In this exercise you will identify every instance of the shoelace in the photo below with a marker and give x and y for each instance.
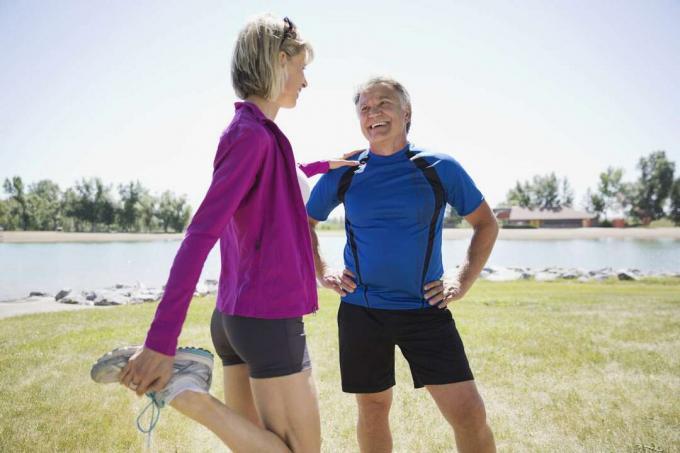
(155, 412)
(153, 421)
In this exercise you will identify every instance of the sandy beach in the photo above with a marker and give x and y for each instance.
(18, 237)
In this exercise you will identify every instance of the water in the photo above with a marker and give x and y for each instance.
(81, 266)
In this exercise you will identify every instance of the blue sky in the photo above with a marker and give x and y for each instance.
(131, 90)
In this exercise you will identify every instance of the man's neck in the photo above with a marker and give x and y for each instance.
(388, 147)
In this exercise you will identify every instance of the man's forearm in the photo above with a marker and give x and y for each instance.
(319, 264)
(478, 253)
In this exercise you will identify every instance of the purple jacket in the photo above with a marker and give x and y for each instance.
(254, 207)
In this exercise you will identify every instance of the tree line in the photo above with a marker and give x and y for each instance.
(90, 205)
(653, 195)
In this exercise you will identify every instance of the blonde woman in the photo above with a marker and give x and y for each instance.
(267, 283)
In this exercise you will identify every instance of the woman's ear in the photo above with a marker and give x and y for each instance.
(283, 58)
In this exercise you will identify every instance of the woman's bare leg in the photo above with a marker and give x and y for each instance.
(236, 431)
(289, 407)
(238, 395)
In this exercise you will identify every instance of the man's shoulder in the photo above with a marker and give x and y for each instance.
(440, 161)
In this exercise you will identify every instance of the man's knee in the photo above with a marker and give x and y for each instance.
(374, 405)
(461, 404)
(468, 414)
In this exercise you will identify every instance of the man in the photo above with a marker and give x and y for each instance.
(392, 288)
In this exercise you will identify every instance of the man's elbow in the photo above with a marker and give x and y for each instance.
(488, 225)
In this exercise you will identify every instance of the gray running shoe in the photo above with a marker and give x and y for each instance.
(192, 370)
(107, 369)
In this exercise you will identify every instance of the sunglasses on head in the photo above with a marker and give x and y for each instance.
(288, 30)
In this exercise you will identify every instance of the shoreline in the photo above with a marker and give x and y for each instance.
(42, 237)
(551, 234)
(32, 305)
(129, 295)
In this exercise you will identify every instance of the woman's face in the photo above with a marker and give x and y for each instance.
(295, 67)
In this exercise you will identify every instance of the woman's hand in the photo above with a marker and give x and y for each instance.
(147, 371)
(343, 161)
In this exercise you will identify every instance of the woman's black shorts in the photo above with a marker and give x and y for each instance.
(270, 347)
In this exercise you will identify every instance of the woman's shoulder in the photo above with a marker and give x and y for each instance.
(252, 131)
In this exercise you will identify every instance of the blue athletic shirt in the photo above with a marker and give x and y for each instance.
(394, 210)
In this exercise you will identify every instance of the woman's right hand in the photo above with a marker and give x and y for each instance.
(147, 371)
(343, 161)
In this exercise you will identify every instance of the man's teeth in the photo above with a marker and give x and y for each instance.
(378, 124)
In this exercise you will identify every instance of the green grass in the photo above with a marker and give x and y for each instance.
(562, 366)
(662, 223)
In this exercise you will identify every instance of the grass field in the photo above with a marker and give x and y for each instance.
(563, 367)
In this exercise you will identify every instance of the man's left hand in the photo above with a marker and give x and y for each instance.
(443, 292)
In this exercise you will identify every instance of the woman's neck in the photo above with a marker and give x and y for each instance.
(268, 108)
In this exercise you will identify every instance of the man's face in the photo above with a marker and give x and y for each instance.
(382, 116)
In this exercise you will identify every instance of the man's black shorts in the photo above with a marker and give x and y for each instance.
(428, 338)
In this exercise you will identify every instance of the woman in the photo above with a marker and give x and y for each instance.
(267, 281)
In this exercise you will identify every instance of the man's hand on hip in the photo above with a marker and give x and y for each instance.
(443, 292)
(340, 282)
(147, 371)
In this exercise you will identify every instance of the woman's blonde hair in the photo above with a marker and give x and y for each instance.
(255, 67)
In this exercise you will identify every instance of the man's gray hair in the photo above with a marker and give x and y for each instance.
(404, 97)
(255, 67)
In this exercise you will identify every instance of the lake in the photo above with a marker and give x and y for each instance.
(83, 266)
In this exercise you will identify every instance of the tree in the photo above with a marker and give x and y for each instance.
(71, 207)
(543, 192)
(611, 193)
(15, 189)
(520, 195)
(93, 203)
(148, 209)
(173, 212)
(44, 205)
(130, 209)
(595, 204)
(674, 213)
(104, 206)
(653, 187)
(5, 219)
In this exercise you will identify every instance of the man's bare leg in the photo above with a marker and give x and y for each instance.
(373, 425)
(462, 406)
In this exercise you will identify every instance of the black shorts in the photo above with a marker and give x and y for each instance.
(270, 347)
(427, 337)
